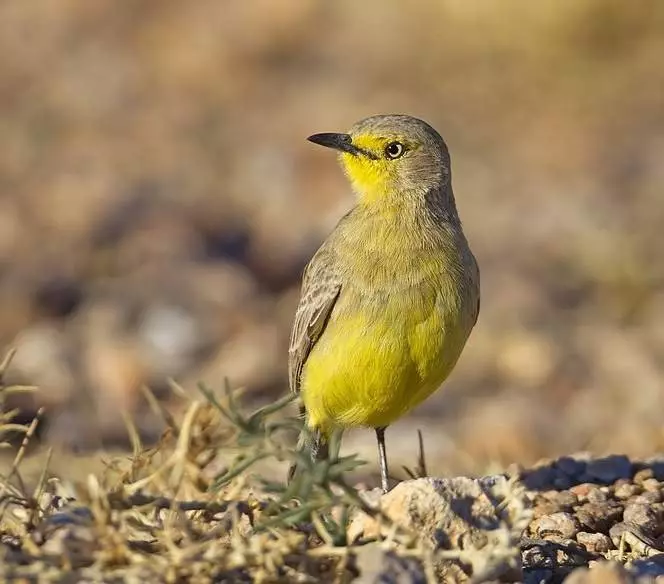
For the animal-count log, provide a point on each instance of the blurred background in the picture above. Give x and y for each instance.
(158, 202)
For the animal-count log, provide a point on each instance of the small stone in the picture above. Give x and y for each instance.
(657, 467)
(643, 474)
(618, 531)
(643, 516)
(646, 570)
(561, 524)
(550, 495)
(539, 478)
(652, 485)
(537, 576)
(581, 491)
(626, 490)
(597, 495)
(562, 482)
(598, 517)
(594, 542)
(544, 507)
(539, 557)
(570, 466)
(567, 499)
(570, 553)
(610, 469)
(649, 498)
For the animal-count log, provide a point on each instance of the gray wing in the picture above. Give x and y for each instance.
(321, 287)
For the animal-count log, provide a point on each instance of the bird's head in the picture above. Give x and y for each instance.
(391, 158)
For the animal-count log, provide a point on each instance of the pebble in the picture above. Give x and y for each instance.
(597, 496)
(537, 576)
(539, 478)
(594, 542)
(643, 474)
(645, 570)
(543, 508)
(649, 498)
(562, 524)
(570, 466)
(626, 490)
(581, 491)
(657, 467)
(652, 485)
(642, 515)
(562, 482)
(610, 468)
(538, 557)
(598, 517)
(567, 499)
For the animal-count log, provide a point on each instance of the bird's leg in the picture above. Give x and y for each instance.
(380, 437)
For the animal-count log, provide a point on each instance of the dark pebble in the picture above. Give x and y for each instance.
(539, 478)
(610, 468)
(537, 576)
(538, 557)
(570, 466)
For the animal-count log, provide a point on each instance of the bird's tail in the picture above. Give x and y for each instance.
(312, 443)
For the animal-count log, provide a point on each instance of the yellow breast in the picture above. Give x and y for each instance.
(388, 345)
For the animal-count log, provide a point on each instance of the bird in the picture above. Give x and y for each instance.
(389, 299)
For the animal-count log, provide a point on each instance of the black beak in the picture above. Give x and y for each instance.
(341, 142)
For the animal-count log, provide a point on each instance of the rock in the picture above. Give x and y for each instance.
(642, 515)
(652, 485)
(561, 524)
(540, 557)
(597, 496)
(562, 482)
(378, 565)
(610, 469)
(538, 478)
(457, 514)
(597, 543)
(582, 491)
(656, 466)
(570, 466)
(643, 474)
(598, 516)
(566, 499)
(626, 490)
(602, 573)
(537, 576)
(543, 508)
(646, 570)
(648, 498)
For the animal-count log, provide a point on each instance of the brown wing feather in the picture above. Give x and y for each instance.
(321, 287)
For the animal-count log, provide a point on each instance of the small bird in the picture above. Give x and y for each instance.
(390, 298)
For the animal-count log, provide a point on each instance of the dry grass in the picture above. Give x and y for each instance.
(191, 508)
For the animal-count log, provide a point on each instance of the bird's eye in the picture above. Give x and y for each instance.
(394, 150)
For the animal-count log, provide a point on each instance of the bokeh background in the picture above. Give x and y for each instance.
(158, 202)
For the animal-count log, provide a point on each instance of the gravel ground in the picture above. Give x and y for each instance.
(586, 510)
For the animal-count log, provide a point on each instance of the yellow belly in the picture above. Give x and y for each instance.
(379, 358)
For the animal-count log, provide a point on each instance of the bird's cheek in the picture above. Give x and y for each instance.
(367, 177)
